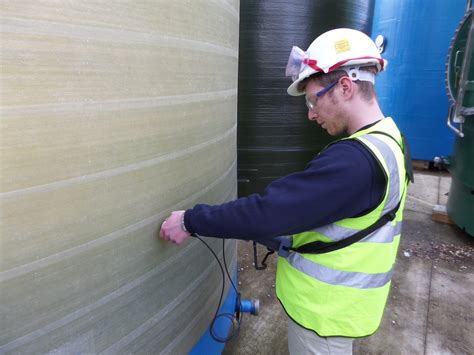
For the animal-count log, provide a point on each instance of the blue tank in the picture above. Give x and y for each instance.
(412, 90)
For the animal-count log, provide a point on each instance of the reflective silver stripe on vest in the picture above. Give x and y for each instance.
(389, 156)
(337, 277)
(336, 233)
(384, 234)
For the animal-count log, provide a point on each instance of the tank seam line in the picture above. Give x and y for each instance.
(111, 35)
(117, 104)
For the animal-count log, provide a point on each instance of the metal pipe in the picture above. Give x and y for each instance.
(450, 125)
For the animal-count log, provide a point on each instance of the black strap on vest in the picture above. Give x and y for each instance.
(320, 247)
(408, 165)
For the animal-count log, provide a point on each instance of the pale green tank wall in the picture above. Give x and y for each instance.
(113, 114)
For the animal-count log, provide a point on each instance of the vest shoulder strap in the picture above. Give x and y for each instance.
(405, 148)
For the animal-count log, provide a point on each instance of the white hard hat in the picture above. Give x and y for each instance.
(339, 49)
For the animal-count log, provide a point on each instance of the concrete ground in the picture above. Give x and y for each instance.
(431, 304)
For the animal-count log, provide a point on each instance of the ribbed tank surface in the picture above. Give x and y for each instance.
(113, 114)
(275, 137)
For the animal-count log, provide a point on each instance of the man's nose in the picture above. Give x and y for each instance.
(312, 116)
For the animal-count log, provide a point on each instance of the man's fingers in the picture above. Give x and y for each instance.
(162, 232)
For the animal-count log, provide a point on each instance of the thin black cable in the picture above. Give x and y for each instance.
(238, 316)
(225, 266)
(230, 316)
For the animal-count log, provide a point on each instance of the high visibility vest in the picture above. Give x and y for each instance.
(344, 292)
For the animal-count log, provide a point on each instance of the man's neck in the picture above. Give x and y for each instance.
(364, 114)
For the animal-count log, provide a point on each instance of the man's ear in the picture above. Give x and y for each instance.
(347, 86)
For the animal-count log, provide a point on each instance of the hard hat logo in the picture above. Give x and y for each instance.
(339, 49)
(342, 46)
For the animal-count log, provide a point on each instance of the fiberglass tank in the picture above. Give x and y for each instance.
(113, 114)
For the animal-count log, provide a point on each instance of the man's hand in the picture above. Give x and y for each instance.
(172, 229)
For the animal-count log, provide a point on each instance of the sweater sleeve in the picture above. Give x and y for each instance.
(343, 181)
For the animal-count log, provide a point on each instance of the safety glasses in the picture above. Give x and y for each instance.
(311, 103)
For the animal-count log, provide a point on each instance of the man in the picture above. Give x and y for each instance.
(343, 213)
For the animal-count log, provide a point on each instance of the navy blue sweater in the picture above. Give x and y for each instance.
(343, 181)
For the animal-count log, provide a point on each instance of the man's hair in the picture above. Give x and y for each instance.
(366, 88)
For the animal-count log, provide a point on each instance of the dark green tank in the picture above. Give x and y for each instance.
(460, 85)
(275, 137)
